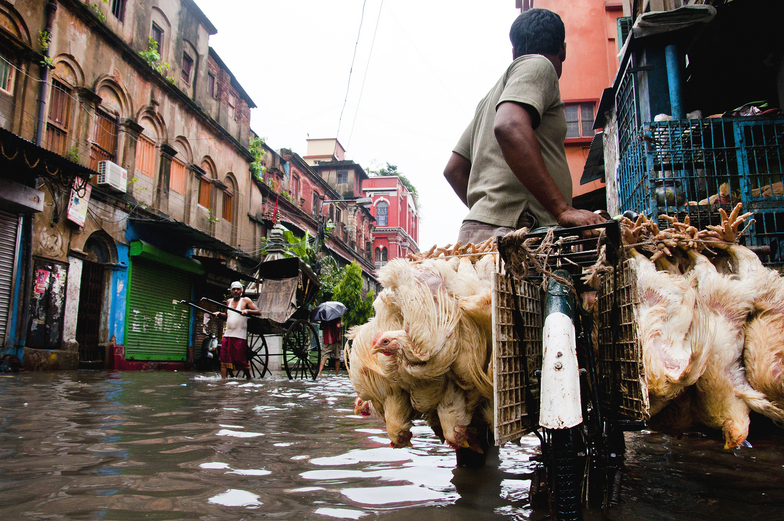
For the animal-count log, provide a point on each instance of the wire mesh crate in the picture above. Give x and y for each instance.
(694, 167)
(517, 348)
(516, 360)
(623, 392)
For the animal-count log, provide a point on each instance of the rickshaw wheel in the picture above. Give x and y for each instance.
(301, 351)
(258, 355)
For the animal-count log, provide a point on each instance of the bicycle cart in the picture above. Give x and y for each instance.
(286, 290)
(575, 384)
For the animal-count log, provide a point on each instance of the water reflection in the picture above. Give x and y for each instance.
(90, 445)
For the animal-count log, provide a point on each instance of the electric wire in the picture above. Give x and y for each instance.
(348, 86)
(362, 88)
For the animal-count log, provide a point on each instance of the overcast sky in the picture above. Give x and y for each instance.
(419, 69)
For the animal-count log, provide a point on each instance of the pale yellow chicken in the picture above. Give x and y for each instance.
(388, 398)
(724, 396)
(764, 336)
(670, 327)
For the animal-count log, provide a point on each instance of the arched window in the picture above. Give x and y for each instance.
(228, 200)
(145, 147)
(382, 214)
(381, 256)
(205, 185)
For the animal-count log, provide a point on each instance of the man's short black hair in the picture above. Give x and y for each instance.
(537, 31)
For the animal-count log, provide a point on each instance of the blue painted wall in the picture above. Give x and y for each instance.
(119, 294)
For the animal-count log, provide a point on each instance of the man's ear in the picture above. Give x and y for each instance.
(562, 52)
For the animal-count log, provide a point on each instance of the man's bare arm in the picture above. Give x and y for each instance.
(520, 147)
(456, 173)
(251, 308)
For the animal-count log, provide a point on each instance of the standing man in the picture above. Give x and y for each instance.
(233, 354)
(331, 347)
(509, 166)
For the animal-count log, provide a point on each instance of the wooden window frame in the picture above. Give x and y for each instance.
(157, 28)
(581, 121)
(212, 83)
(102, 149)
(227, 213)
(145, 156)
(187, 67)
(232, 103)
(205, 192)
(177, 177)
(118, 10)
(58, 118)
(8, 87)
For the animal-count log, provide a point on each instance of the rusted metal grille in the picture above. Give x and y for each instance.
(516, 392)
(622, 389)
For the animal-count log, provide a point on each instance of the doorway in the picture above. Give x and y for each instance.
(88, 323)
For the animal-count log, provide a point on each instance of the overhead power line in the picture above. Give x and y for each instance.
(362, 17)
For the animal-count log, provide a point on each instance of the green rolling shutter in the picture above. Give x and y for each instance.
(157, 328)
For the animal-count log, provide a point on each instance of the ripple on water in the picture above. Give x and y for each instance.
(404, 494)
(340, 513)
(236, 498)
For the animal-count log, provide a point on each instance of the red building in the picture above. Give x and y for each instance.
(397, 218)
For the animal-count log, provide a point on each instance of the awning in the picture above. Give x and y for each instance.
(183, 234)
(594, 164)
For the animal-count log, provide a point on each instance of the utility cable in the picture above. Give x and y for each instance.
(362, 17)
(362, 88)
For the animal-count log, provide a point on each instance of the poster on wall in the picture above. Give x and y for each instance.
(79, 201)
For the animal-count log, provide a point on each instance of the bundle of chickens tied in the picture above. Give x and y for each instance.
(427, 351)
(709, 318)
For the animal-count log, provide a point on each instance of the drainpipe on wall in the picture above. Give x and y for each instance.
(27, 225)
(675, 81)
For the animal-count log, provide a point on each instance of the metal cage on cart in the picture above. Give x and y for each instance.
(694, 167)
(517, 351)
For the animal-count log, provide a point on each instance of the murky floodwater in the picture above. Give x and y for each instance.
(150, 445)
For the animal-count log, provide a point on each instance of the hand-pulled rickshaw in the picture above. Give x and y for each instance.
(286, 289)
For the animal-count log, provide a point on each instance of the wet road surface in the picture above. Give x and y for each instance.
(126, 446)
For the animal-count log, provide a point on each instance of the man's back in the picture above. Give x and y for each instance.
(495, 195)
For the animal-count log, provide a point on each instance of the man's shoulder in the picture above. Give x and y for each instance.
(531, 62)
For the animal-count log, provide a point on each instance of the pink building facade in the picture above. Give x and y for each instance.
(397, 218)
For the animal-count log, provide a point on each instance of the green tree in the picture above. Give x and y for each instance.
(391, 169)
(349, 291)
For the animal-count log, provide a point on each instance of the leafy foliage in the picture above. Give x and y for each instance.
(257, 167)
(153, 59)
(349, 291)
(329, 276)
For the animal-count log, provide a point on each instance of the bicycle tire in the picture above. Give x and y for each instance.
(567, 479)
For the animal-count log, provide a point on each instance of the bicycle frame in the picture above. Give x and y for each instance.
(560, 401)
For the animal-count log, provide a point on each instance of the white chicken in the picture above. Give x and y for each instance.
(671, 329)
(764, 346)
(724, 396)
(388, 398)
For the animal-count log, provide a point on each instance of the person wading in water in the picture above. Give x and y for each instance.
(233, 353)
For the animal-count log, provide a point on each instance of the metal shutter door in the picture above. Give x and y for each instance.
(8, 226)
(158, 329)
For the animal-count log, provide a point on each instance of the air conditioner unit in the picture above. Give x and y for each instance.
(113, 175)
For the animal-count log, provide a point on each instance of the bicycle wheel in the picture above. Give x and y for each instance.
(301, 351)
(567, 476)
(258, 355)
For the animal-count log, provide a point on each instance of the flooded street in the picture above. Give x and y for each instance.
(154, 445)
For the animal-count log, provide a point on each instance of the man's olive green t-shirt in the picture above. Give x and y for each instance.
(495, 195)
